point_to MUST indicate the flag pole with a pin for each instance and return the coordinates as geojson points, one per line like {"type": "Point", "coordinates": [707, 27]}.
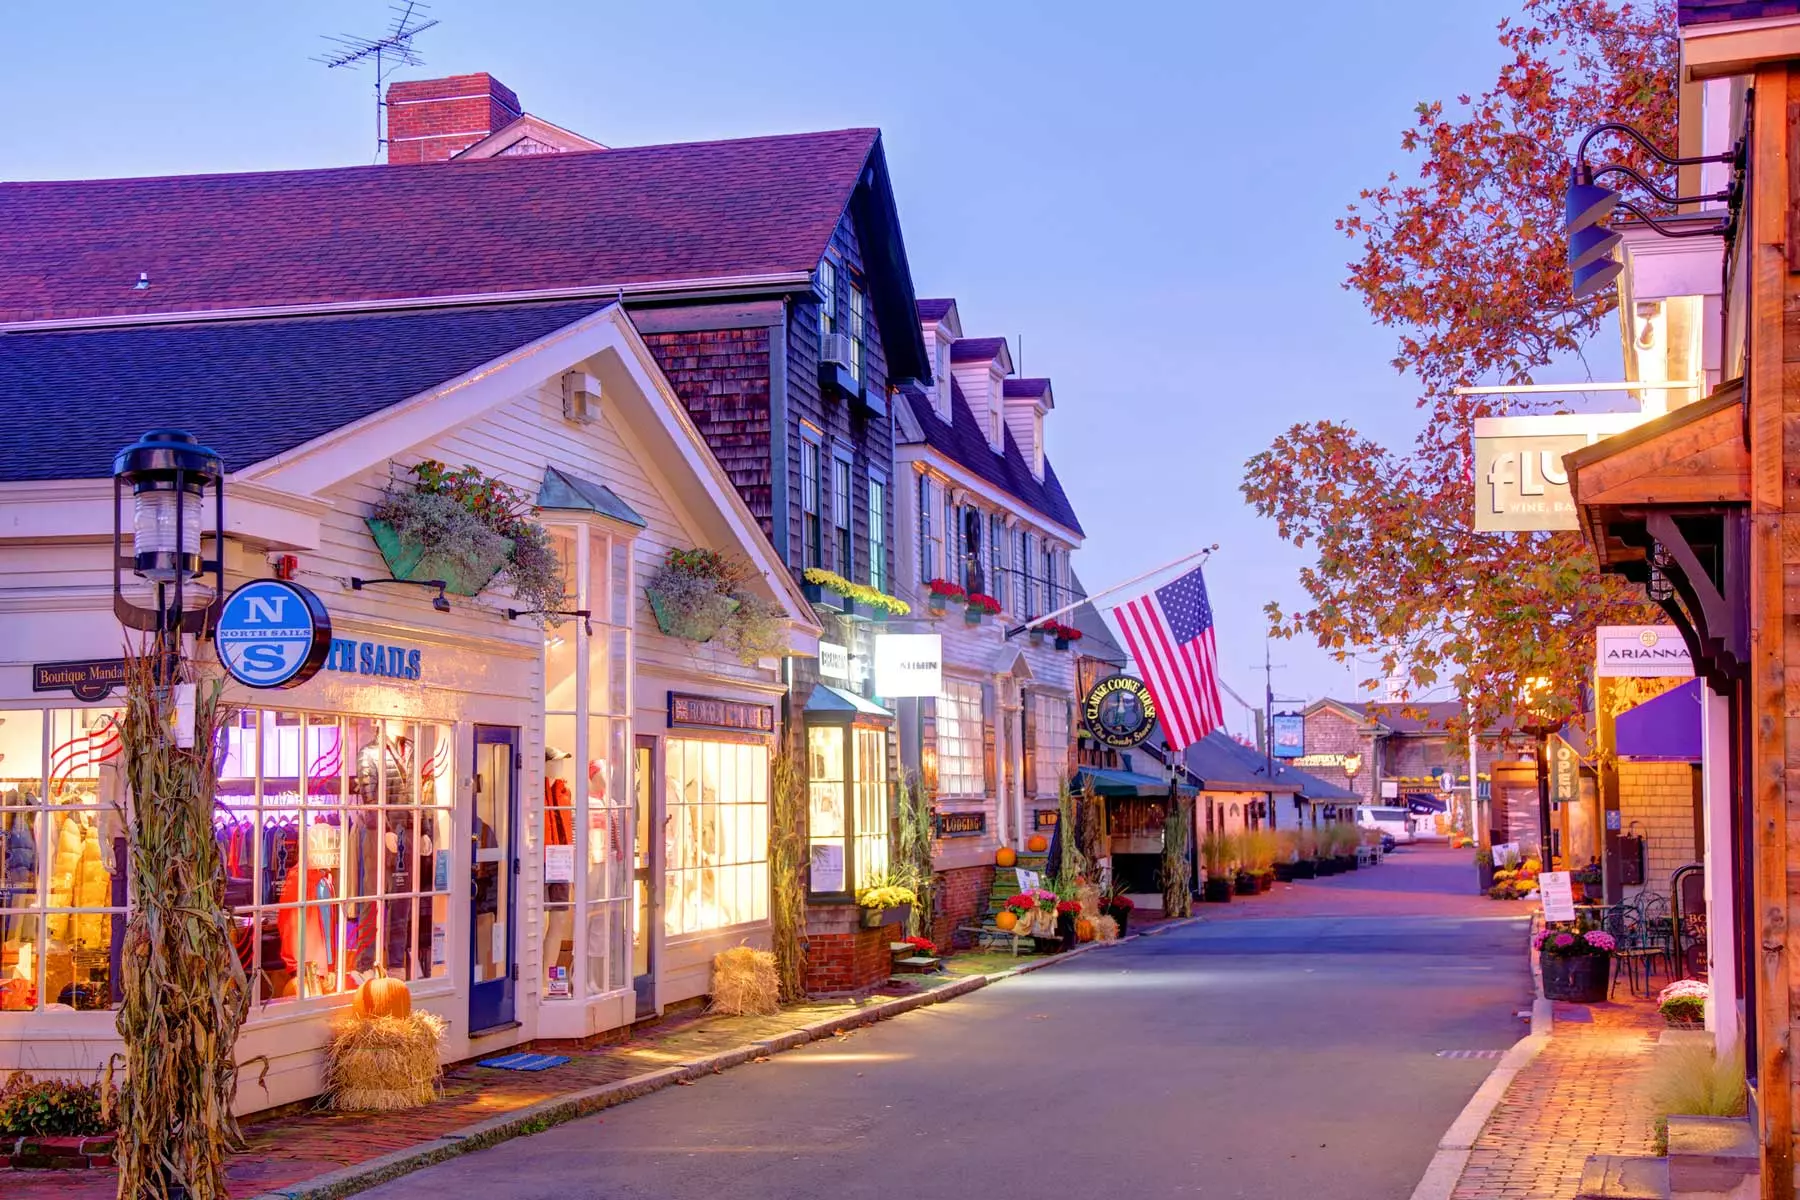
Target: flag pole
{"type": "Point", "coordinates": [1203, 555]}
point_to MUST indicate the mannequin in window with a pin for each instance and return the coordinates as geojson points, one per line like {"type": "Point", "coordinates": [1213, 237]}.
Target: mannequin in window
{"type": "Point", "coordinates": [318, 956]}
{"type": "Point", "coordinates": [559, 830]}
{"type": "Point", "coordinates": [385, 861]}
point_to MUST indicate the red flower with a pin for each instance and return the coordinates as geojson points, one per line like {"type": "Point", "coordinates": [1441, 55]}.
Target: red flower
{"type": "Point", "coordinates": [984, 602]}
{"type": "Point", "coordinates": [1023, 902]}
{"type": "Point", "coordinates": [922, 944]}
{"type": "Point", "coordinates": [1121, 901]}
{"type": "Point", "coordinates": [946, 589]}
{"type": "Point", "coordinates": [1068, 906]}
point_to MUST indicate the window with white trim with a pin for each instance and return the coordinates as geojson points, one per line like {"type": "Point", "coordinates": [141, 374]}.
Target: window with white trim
{"type": "Point", "coordinates": [812, 533]}
{"type": "Point", "coordinates": [840, 517]}
{"type": "Point", "coordinates": [857, 333]}
{"type": "Point", "coordinates": [929, 546]}
{"type": "Point", "coordinates": [827, 299]}
{"type": "Point", "coordinates": [1050, 753]}
{"type": "Point", "coordinates": [961, 767]}
{"type": "Point", "coordinates": [997, 540]}
{"type": "Point", "coordinates": [878, 564]}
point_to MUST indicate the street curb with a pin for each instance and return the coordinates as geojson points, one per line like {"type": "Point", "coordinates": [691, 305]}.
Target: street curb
{"type": "Point", "coordinates": [538, 1117]}
{"type": "Point", "coordinates": [1445, 1170]}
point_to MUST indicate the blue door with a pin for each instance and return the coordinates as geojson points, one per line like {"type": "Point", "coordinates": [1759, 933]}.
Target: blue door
{"type": "Point", "coordinates": [493, 879]}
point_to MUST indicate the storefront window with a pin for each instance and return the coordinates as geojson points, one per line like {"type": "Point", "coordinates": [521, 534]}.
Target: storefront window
{"type": "Point", "coordinates": [587, 774]}
{"type": "Point", "coordinates": [717, 812]}
{"type": "Point", "coordinates": [871, 857]}
{"type": "Point", "coordinates": [1050, 755]}
{"type": "Point", "coordinates": [336, 834]}
{"type": "Point", "coordinates": [961, 771]}
{"type": "Point", "coordinates": [848, 806]}
{"type": "Point", "coordinates": [826, 816]}
{"type": "Point", "coordinates": [62, 850]}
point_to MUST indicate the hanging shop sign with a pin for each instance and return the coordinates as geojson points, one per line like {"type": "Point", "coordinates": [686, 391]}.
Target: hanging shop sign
{"type": "Point", "coordinates": [1349, 764]}
{"type": "Point", "coordinates": [1565, 771]}
{"type": "Point", "coordinates": [969, 824]}
{"type": "Point", "coordinates": [712, 712]}
{"type": "Point", "coordinates": [1641, 650]}
{"type": "Point", "coordinates": [90, 679]}
{"type": "Point", "coordinates": [909, 664]}
{"type": "Point", "coordinates": [373, 658]}
{"type": "Point", "coordinates": [272, 634]}
{"type": "Point", "coordinates": [1119, 711]}
{"type": "Point", "coordinates": [1520, 483]}
{"type": "Point", "coordinates": [834, 661]}
{"type": "Point", "coordinates": [1287, 734]}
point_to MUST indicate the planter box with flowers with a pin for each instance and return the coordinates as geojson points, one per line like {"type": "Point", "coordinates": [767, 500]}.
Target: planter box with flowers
{"type": "Point", "coordinates": [885, 904]}
{"type": "Point", "coordinates": [940, 592]}
{"type": "Point", "coordinates": [1577, 967]}
{"type": "Point", "coordinates": [1683, 1004]}
{"type": "Point", "coordinates": [1034, 914]}
{"type": "Point", "coordinates": [697, 595]}
{"type": "Point", "coordinates": [1065, 635]}
{"type": "Point", "coordinates": [981, 606]}
{"type": "Point", "coordinates": [857, 601]}
{"type": "Point", "coordinates": [465, 528]}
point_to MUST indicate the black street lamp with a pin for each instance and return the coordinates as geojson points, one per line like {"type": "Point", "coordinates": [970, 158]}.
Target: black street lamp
{"type": "Point", "coordinates": [1543, 722]}
{"type": "Point", "coordinates": [168, 473]}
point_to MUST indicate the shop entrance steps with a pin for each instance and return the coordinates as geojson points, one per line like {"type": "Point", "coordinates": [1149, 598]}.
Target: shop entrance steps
{"type": "Point", "coordinates": [1617, 1177]}
{"type": "Point", "coordinates": [1712, 1157]}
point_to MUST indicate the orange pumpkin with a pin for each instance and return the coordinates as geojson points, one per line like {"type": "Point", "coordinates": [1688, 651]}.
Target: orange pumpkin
{"type": "Point", "coordinates": [1006, 919]}
{"type": "Point", "coordinates": [1037, 843]}
{"type": "Point", "coordinates": [1005, 856]}
{"type": "Point", "coordinates": [1084, 930]}
{"type": "Point", "coordinates": [383, 997]}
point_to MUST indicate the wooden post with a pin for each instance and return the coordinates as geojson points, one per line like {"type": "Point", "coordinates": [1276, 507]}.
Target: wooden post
{"type": "Point", "coordinates": [1611, 819]}
{"type": "Point", "coordinates": [1773, 495]}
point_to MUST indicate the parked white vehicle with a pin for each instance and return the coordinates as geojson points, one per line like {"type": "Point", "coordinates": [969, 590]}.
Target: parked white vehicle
{"type": "Point", "coordinates": [1389, 820]}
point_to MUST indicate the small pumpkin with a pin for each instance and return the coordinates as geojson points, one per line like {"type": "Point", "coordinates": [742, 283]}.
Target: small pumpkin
{"type": "Point", "coordinates": [1006, 918]}
{"type": "Point", "coordinates": [383, 997]}
{"type": "Point", "coordinates": [1084, 930]}
{"type": "Point", "coordinates": [1037, 843]}
{"type": "Point", "coordinates": [1005, 856]}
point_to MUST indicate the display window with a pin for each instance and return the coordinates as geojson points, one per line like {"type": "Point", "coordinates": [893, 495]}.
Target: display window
{"type": "Point", "coordinates": [716, 797]}
{"type": "Point", "coordinates": [62, 855]}
{"type": "Point", "coordinates": [587, 834]}
{"type": "Point", "coordinates": [961, 760]}
{"type": "Point", "coordinates": [1051, 721]}
{"type": "Point", "coordinates": [336, 834]}
{"type": "Point", "coordinates": [848, 817]}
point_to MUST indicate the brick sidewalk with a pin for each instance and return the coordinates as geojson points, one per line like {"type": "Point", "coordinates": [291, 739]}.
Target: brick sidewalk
{"type": "Point", "coordinates": [297, 1146]}
{"type": "Point", "coordinates": [1584, 1094]}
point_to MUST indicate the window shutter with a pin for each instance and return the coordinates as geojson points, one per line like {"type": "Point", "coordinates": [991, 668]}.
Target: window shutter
{"type": "Point", "coordinates": [988, 709]}
{"type": "Point", "coordinates": [1029, 751]}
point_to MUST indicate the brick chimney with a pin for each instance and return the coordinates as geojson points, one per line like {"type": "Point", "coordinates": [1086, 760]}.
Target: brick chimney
{"type": "Point", "coordinates": [432, 120]}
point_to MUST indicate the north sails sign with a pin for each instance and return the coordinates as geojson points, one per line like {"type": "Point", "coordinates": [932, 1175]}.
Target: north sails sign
{"type": "Point", "coordinates": [1654, 650]}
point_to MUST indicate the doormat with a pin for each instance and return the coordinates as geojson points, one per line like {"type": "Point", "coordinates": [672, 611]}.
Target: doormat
{"type": "Point", "coordinates": [524, 1062]}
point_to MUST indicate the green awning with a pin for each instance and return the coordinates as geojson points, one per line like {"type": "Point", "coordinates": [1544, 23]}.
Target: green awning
{"type": "Point", "coordinates": [1111, 781]}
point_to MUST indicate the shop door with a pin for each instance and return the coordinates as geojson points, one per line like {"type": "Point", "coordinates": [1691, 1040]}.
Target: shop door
{"type": "Point", "coordinates": [493, 875]}
{"type": "Point", "coordinates": [647, 879]}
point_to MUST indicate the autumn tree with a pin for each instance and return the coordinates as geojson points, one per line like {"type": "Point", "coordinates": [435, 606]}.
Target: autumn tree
{"type": "Point", "coordinates": [1467, 261]}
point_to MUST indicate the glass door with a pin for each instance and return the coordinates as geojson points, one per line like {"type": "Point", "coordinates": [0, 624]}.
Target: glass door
{"type": "Point", "coordinates": [647, 879]}
{"type": "Point", "coordinates": [492, 873]}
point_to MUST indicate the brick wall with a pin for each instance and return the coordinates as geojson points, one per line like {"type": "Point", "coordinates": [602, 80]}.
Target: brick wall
{"type": "Point", "coordinates": [1331, 732]}
{"type": "Point", "coordinates": [722, 377]}
{"type": "Point", "coordinates": [431, 120]}
{"type": "Point", "coordinates": [960, 898]}
{"type": "Point", "coordinates": [842, 964]}
{"type": "Point", "coordinates": [1656, 801]}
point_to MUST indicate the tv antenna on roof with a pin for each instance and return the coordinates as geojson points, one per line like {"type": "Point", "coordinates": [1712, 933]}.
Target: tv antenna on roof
{"type": "Point", "coordinates": [387, 53]}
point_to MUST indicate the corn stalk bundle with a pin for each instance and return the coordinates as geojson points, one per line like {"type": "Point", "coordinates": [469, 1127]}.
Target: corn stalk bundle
{"type": "Point", "coordinates": [185, 995]}
{"type": "Point", "coordinates": [1074, 864]}
{"type": "Point", "coordinates": [1178, 901]}
{"type": "Point", "coordinates": [915, 851]}
{"type": "Point", "coordinates": [787, 867]}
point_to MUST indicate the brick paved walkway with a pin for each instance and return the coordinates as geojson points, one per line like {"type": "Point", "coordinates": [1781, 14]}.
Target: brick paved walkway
{"type": "Point", "coordinates": [299, 1145]}
{"type": "Point", "coordinates": [1584, 1094]}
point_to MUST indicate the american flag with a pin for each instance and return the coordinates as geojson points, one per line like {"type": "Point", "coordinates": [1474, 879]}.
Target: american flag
{"type": "Point", "coordinates": [1170, 634]}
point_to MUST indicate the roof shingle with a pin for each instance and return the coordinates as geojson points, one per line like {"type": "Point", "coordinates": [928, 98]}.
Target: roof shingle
{"type": "Point", "coordinates": [962, 441]}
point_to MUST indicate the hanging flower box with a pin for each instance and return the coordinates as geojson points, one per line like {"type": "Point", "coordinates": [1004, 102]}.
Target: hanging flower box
{"type": "Point", "coordinates": [410, 557]}
{"type": "Point", "coordinates": [940, 592]}
{"type": "Point", "coordinates": [981, 607]}
{"type": "Point", "coordinates": [692, 619]}
{"type": "Point", "coordinates": [856, 601]}
{"type": "Point", "coordinates": [697, 595]}
{"type": "Point", "coordinates": [1037, 635]}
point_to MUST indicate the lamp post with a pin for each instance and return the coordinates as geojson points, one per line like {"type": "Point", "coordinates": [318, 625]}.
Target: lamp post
{"type": "Point", "coordinates": [168, 473]}
{"type": "Point", "coordinates": [1543, 722]}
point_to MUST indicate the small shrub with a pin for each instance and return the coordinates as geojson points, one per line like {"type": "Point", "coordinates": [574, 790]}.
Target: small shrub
{"type": "Point", "coordinates": [55, 1107]}
{"type": "Point", "coordinates": [1690, 1081]}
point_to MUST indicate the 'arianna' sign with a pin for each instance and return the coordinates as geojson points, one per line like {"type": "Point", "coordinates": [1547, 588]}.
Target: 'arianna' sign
{"type": "Point", "coordinates": [1641, 650]}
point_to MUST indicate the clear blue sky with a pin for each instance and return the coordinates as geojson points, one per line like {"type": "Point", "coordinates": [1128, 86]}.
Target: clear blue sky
{"type": "Point", "coordinates": [1144, 191]}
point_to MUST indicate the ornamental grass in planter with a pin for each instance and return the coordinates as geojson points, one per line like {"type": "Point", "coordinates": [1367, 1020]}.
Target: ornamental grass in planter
{"type": "Point", "coordinates": [1218, 853]}
{"type": "Point", "coordinates": [465, 528]}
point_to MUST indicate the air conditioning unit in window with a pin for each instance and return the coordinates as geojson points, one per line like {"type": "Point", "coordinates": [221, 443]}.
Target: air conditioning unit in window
{"type": "Point", "coordinates": [836, 350]}
{"type": "Point", "coordinates": [581, 398]}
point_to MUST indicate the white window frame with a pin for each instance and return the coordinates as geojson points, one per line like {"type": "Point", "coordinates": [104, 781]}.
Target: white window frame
{"type": "Point", "coordinates": [858, 331]}
{"type": "Point", "coordinates": [827, 299]}
{"type": "Point", "coordinates": [961, 756]}
{"type": "Point", "coordinates": [1051, 721]}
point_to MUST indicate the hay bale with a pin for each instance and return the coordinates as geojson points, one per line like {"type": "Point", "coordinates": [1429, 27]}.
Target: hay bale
{"type": "Point", "coordinates": [1089, 896]}
{"type": "Point", "coordinates": [1106, 929]}
{"type": "Point", "coordinates": [745, 983]}
{"type": "Point", "coordinates": [374, 1064]}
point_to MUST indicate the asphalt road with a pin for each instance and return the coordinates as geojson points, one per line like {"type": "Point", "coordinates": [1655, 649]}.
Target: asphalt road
{"type": "Point", "coordinates": [1285, 1049]}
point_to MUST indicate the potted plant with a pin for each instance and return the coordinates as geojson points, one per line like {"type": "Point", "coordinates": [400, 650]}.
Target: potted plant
{"type": "Point", "coordinates": [1590, 882]}
{"type": "Point", "coordinates": [857, 601]}
{"type": "Point", "coordinates": [692, 594]}
{"type": "Point", "coordinates": [465, 528]}
{"type": "Point", "coordinates": [1116, 904]}
{"type": "Point", "coordinates": [1066, 912]}
{"type": "Point", "coordinates": [880, 897]}
{"type": "Point", "coordinates": [1577, 966]}
{"type": "Point", "coordinates": [1683, 1004]}
{"type": "Point", "coordinates": [1287, 856]}
{"type": "Point", "coordinates": [1216, 856]}
{"type": "Point", "coordinates": [981, 607]}
{"type": "Point", "coordinates": [1306, 853]}
{"type": "Point", "coordinates": [1065, 635]}
{"type": "Point", "coordinates": [939, 593]}
{"type": "Point", "coordinates": [1260, 848]}
{"type": "Point", "coordinates": [1035, 635]}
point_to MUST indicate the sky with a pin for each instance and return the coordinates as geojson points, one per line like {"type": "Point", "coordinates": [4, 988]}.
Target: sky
{"type": "Point", "coordinates": [1144, 193]}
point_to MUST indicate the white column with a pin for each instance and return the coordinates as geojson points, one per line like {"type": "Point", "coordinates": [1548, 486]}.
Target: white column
{"type": "Point", "coordinates": [1715, 791]}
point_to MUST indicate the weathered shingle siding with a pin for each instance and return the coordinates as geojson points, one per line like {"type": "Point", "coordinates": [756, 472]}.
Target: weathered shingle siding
{"type": "Point", "coordinates": [722, 377]}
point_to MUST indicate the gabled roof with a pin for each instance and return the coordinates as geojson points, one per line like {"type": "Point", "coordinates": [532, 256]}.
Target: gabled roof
{"type": "Point", "coordinates": [528, 134]}
{"type": "Point", "coordinates": [1025, 389]}
{"type": "Point", "coordinates": [248, 389]}
{"type": "Point", "coordinates": [935, 310]}
{"type": "Point", "coordinates": [964, 442]}
{"type": "Point", "coordinates": [987, 349]}
{"type": "Point", "coordinates": [756, 209]}
{"type": "Point", "coordinates": [1225, 766]}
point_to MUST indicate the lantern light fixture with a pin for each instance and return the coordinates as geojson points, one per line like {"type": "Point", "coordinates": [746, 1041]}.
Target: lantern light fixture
{"type": "Point", "coordinates": [169, 474]}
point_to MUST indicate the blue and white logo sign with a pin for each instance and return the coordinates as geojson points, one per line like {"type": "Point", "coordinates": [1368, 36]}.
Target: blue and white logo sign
{"type": "Point", "coordinates": [273, 634]}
